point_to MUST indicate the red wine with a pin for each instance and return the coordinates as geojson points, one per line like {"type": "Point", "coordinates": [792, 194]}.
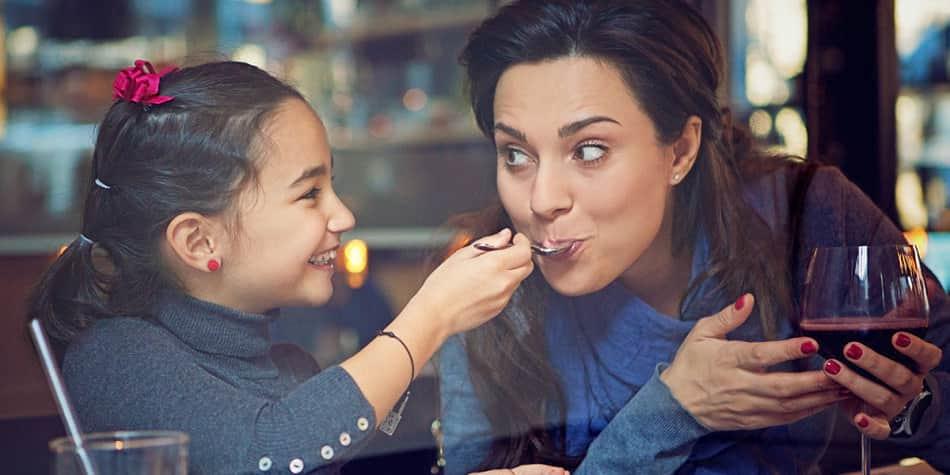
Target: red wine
{"type": "Point", "coordinates": [833, 334]}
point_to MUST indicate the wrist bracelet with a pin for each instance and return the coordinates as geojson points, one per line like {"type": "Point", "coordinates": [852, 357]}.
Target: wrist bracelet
{"type": "Point", "coordinates": [906, 423]}
{"type": "Point", "coordinates": [388, 426]}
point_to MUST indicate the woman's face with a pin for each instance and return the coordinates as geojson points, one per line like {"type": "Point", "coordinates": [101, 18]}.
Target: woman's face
{"type": "Point", "coordinates": [580, 165]}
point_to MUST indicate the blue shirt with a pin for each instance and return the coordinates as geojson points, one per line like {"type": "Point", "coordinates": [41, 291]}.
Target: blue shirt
{"type": "Point", "coordinates": [605, 346]}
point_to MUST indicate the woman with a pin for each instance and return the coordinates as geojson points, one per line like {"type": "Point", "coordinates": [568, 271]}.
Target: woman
{"type": "Point", "coordinates": [612, 148]}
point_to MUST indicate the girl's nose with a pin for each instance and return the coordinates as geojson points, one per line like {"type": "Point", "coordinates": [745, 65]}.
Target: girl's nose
{"type": "Point", "coordinates": [341, 218]}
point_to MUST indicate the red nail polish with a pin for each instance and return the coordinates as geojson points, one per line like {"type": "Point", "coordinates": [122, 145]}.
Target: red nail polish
{"type": "Point", "coordinates": [903, 340]}
{"type": "Point", "coordinates": [808, 348]}
{"type": "Point", "coordinates": [832, 366]}
{"type": "Point", "coordinates": [854, 352]}
{"type": "Point", "coordinates": [740, 302]}
{"type": "Point", "coordinates": [863, 422]}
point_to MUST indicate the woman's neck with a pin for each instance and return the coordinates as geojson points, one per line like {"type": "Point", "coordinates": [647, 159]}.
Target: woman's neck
{"type": "Point", "coordinates": [658, 277]}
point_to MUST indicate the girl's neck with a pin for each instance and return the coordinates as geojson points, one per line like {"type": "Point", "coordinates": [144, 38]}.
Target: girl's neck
{"type": "Point", "coordinates": [658, 277]}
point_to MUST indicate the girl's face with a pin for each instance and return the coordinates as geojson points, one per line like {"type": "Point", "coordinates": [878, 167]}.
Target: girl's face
{"type": "Point", "coordinates": [580, 165]}
{"type": "Point", "coordinates": [290, 223]}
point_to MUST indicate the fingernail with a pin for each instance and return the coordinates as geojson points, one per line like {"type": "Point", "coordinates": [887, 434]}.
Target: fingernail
{"type": "Point", "coordinates": [832, 367]}
{"type": "Point", "coordinates": [809, 347]}
{"type": "Point", "coordinates": [903, 340]}
{"type": "Point", "coordinates": [854, 351]}
{"type": "Point", "coordinates": [863, 422]}
{"type": "Point", "coordinates": [740, 302]}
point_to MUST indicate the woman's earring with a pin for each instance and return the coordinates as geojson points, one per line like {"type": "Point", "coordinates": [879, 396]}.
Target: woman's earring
{"type": "Point", "coordinates": [676, 178]}
{"type": "Point", "coordinates": [214, 265]}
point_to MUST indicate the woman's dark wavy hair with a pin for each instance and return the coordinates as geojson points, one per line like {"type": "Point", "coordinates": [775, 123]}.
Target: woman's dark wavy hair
{"type": "Point", "coordinates": [672, 62]}
{"type": "Point", "coordinates": [195, 153]}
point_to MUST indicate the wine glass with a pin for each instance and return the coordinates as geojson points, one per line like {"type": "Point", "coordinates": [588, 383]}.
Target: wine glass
{"type": "Point", "coordinates": [864, 294]}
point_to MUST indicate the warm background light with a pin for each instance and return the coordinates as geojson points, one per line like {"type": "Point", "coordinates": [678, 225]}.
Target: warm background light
{"type": "Point", "coordinates": [919, 238]}
{"type": "Point", "coordinates": [355, 256]}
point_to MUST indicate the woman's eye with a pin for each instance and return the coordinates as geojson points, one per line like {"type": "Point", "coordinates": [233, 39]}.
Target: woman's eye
{"type": "Point", "coordinates": [590, 153]}
{"type": "Point", "coordinates": [515, 157]}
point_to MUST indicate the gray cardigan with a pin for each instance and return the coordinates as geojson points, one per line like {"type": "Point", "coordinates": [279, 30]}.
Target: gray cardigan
{"type": "Point", "coordinates": [652, 433]}
{"type": "Point", "coordinates": [193, 366]}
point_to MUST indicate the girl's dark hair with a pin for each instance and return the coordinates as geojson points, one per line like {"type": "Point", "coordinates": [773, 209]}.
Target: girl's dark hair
{"type": "Point", "coordinates": [195, 153]}
{"type": "Point", "coordinates": [672, 62]}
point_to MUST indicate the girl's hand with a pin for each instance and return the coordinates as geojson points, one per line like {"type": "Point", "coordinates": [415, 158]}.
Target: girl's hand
{"type": "Point", "coordinates": [535, 469]}
{"type": "Point", "coordinates": [725, 386]}
{"type": "Point", "coordinates": [882, 403]}
{"type": "Point", "coordinates": [472, 286]}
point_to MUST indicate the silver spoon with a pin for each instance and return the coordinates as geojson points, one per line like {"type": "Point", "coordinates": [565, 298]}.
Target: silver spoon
{"type": "Point", "coordinates": [535, 248]}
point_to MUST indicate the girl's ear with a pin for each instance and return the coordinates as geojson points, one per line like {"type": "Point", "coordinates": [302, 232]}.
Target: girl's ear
{"type": "Point", "coordinates": [686, 149]}
{"type": "Point", "coordinates": [195, 240]}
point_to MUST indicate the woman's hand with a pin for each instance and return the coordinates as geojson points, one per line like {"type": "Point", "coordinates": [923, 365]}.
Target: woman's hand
{"type": "Point", "coordinates": [882, 404]}
{"type": "Point", "coordinates": [534, 469]}
{"type": "Point", "coordinates": [472, 286]}
{"type": "Point", "coordinates": [725, 386]}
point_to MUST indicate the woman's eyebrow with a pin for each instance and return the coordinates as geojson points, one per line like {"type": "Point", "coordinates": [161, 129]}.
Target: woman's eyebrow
{"type": "Point", "coordinates": [501, 126]}
{"type": "Point", "coordinates": [576, 126]}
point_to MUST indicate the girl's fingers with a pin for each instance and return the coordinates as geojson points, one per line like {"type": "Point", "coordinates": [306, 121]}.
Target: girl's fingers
{"type": "Point", "coordinates": [516, 256]}
{"type": "Point", "coordinates": [497, 241]}
{"type": "Point", "coordinates": [926, 354]}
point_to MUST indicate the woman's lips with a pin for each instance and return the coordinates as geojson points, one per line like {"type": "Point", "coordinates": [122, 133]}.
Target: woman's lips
{"type": "Point", "coordinates": [562, 250]}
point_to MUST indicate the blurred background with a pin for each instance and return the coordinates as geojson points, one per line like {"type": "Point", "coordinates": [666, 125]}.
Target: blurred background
{"type": "Point", "coordinates": [864, 85]}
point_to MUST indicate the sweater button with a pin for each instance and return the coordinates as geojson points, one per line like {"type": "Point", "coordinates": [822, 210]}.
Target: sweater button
{"type": "Point", "coordinates": [362, 423]}
{"type": "Point", "coordinates": [264, 464]}
{"type": "Point", "coordinates": [296, 466]}
{"type": "Point", "coordinates": [326, 452]}
{"type": "Point", "coordinates": [345, 439]}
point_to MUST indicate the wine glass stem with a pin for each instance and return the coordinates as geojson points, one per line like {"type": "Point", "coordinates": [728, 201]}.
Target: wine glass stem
{"type": "Point", "coordinates": [865, 455]}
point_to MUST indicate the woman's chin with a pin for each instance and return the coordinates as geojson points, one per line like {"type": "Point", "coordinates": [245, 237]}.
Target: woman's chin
{"type": "Point", "coordinates": [572, 283]}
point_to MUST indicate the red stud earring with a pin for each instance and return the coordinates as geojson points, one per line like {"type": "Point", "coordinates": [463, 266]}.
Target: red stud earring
{"type": "Point", "coordinates": [214, 265]}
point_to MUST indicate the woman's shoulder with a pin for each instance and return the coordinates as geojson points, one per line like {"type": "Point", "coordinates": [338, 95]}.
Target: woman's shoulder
{"type": "Point", "coordinates": [819, 202]}
{"type": "Point", "coordinates": [783, 187]}
{"type": "Point", "coordinates": [782, 175]}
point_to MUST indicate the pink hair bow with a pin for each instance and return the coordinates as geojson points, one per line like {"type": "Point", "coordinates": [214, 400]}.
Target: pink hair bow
{"type": "Point", "coordinates": [139, 84]}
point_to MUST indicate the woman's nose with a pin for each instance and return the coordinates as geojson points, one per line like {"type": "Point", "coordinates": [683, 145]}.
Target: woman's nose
{"type": "Point", "coordinates": [550, 194]}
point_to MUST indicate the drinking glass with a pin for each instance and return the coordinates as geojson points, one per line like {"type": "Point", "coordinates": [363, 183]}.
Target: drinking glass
{"type": "Point", "coordinates": [129, 453]}
{"type": "Point", "coordinates": [864, 294]}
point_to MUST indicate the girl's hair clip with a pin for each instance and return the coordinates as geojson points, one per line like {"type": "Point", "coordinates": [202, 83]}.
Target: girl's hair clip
{"type": "Point", "coordinates": [140, 84]}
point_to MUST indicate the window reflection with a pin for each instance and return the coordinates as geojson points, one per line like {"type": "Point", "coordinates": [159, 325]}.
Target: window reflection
{"type": "Point", "coordinates": [923, 126]}
{"type": "Point", "coordinates": [768, 47]}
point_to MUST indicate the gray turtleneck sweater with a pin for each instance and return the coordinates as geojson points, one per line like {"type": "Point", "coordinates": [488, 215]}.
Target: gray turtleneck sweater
{"type": "Point", "coordinates": [209, 371]}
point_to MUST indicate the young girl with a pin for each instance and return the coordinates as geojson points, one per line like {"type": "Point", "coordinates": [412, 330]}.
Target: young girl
{"type": "Point", "coordinates": [212, 204]}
